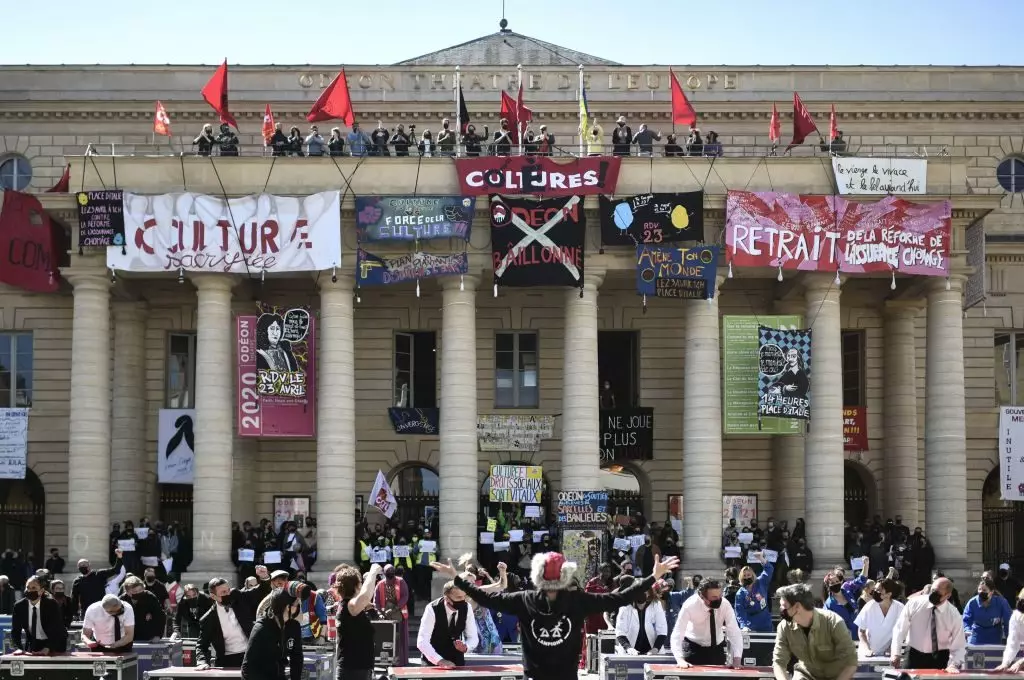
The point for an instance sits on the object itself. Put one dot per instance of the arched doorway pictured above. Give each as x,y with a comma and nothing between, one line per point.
856,494
1002,526
23,515
416,487
625,494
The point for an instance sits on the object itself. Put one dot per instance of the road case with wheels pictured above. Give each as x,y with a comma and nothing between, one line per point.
74,666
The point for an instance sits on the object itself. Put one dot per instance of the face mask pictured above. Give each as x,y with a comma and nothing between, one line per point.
982,597
835,588
32,596
150,579
714,604
58,592
747,581
83,570
1020,606
877,597
1003,573
935,598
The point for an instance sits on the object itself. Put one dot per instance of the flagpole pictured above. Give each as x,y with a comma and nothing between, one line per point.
580,104
519,123
458,110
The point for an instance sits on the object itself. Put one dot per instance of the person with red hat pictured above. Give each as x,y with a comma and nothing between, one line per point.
551,617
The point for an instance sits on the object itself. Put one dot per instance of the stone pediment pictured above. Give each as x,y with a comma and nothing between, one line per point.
506,48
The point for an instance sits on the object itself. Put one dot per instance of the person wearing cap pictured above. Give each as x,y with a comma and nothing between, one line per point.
1005,583
551,617
276,638
622,137
278,579
227,625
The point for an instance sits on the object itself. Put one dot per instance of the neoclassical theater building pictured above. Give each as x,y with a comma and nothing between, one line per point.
929,360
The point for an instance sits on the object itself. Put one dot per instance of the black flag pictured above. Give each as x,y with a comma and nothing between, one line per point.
463,112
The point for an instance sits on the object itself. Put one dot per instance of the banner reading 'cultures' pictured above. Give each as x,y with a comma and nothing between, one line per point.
375,270
826,233
784,373
685,273
277,373
413,218
539,175
652,218
537,243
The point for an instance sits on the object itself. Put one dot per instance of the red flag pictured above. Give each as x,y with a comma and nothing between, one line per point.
334,103
161,121
775,126
803,124
525,114
268,125
509,113
216,94
63,185
28,253
833,125
683,112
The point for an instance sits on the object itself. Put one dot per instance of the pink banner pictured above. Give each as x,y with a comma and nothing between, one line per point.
826,233
277,373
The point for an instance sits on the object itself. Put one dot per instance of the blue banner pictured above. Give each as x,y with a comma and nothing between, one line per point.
415,420
373,270
413,218
684,273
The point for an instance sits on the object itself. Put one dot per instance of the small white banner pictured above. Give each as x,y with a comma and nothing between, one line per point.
1011,453
862,176
175,441
13,442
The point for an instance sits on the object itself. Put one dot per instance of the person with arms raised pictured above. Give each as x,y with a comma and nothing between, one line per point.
355,651
226,626
753,606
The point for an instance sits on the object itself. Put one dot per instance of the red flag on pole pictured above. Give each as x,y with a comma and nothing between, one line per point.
334,103
833,125
775,126
216,94
525,115
268,125
683,112
161,121
509,111
803,124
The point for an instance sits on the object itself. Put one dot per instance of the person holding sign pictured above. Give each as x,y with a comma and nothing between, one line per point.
697,637
753,606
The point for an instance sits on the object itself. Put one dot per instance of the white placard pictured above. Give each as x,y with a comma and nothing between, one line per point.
531,511
857,563
291,234
13,442
486,538
246,555
636,540
379,556
770,555
515,535
428,546
400,551
538,536
863,176
502,546
126,545
733,551
150,561
746,538
753,557
142,533
620,544
272,557
168,564
175,445
1011,453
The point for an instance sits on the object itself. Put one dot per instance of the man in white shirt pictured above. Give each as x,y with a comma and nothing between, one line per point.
109,625
447,629
225,627
697,638
933,630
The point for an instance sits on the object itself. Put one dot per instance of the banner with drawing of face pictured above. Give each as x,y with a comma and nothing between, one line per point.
784,373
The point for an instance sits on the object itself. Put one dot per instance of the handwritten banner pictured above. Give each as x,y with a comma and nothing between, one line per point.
537,243
13,442
374,270
652,218
516,484
681,273
415,420
855,428
582,508
740,345
865,176
784,373
540,175
413,218
513,433
826,233
30,244
101,218
627,434
1011,453
742,508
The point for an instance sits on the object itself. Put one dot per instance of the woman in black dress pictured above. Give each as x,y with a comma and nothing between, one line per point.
355,630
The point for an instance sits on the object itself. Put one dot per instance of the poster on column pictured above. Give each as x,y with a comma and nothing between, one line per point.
176,445
13,442
277,373
537,243
1011,453
652,218
783,373
740,345
413,218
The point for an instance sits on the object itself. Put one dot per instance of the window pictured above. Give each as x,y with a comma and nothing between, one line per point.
181,370
1009,367
15,173
15,370
415,370
618,361
1010,173
515,374
853,368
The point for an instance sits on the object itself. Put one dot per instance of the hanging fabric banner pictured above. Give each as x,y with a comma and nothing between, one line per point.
537,242
652,218
538,175
415,420
13,442
176,445
101,218
684,273
30,244
783,373
374,270
413,218
1011,453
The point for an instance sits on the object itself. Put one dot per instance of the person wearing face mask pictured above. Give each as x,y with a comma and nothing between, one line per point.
276,639
622,137
705,622
391,596
150,620
190,611
877,619
57,589
227,625
159,590
932,629
641,627
816,638
753,606
1014,639
842,597
90,586
40,619
109,626
1005,582
986,616
447,629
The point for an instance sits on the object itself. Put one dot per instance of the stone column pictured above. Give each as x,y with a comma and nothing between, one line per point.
89,430
788,457
581,406
823,449
214,434
129,455
460,489
945,427
900,414
702,437
336,424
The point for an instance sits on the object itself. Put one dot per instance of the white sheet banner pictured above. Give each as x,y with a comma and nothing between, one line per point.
253,234
13,442
1011,453
175,441
865,176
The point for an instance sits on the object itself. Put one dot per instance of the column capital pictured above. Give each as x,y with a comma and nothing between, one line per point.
463,282
214,282
342,282
97,280
820,282
937,284
593,275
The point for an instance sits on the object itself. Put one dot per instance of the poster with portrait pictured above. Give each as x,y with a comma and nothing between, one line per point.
277,373
585,547
783,373
176,445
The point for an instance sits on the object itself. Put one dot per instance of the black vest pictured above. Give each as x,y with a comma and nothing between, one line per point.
443,637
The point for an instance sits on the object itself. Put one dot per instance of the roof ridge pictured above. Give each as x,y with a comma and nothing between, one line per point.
564,55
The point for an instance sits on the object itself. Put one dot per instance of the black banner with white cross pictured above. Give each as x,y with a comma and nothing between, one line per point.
537,242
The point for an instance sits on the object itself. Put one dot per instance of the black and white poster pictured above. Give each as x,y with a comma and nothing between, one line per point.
176,445
784,373
627,434
537,242
101,218
650,219
13,442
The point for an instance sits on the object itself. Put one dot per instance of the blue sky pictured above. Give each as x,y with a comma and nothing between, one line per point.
731,32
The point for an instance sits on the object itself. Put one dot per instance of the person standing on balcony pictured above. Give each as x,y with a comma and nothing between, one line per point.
622,137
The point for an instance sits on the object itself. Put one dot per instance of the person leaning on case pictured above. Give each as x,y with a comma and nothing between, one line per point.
41,619
817,638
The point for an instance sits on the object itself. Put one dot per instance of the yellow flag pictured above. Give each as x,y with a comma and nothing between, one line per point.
584,112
